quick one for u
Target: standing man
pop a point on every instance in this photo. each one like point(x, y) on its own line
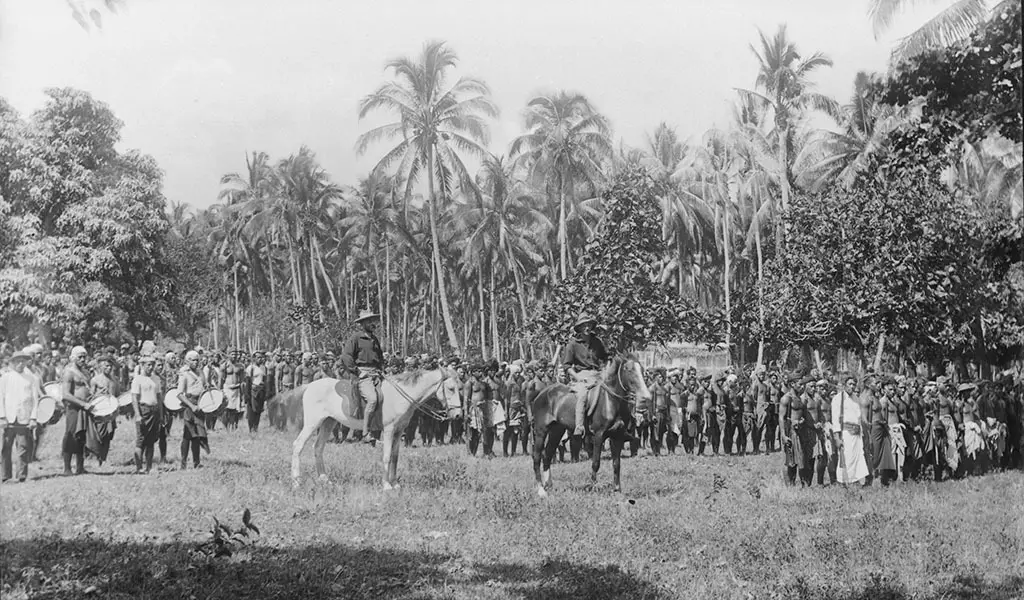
point(584, 355)
point(170, 379)
point(846, 431)
point(147, 400)
point(19, 401)
point(190, 387)
point(234, 372)
point(75, 394)
point(364, 359)
point(256, 377)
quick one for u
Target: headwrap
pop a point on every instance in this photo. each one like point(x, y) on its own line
point(191, 355)
point(78, 351)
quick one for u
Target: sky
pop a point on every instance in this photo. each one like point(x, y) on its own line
point(201, 83)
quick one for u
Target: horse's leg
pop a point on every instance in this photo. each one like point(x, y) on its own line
point(300, 443)
point(393, 465)
point(538, 455)
point(326, 430)
point(389, 456)
point(555, 432)
point(595, 454)
point(617, 441)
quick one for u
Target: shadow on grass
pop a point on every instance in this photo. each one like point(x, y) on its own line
point(57, 568)
point(54, 568)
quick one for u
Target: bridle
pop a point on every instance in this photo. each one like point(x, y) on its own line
point(618, 377)
point(419, 404)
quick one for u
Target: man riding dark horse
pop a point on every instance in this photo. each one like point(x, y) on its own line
point(364, 360)
point(585, 355)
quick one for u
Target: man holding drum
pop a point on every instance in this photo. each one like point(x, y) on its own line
point(145, 391)
point(74, 385)
point(190, 387)
point(170, 377)
point(19, 401)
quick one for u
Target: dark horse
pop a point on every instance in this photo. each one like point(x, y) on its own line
point(554, 413)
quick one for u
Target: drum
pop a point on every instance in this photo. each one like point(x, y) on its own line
point(46, 410)
point(103, 406)
point(171, 401)
point(124, 404)
point(212, 401)
point(52, 389)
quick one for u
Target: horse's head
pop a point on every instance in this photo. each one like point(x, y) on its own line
point(450, 388)
point(629, 375)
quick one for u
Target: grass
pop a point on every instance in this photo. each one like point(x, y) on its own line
point(465, 527)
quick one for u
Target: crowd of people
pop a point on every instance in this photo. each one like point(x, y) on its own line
point(827, 428)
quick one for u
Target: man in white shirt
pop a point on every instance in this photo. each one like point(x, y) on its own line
point(846, 415)
point(19, 401)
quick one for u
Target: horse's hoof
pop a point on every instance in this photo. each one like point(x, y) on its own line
point(323, 478)
point(388, 487)
point(541, 492)
point(617, 489)
point(295, 483)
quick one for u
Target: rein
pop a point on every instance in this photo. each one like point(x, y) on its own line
point(418, 404)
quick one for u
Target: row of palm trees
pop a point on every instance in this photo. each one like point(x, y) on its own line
point(457, 259)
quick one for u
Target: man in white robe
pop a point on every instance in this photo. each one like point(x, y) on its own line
point(846, 430)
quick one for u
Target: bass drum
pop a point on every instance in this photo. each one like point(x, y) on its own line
point(171, 401)
point(47, 413)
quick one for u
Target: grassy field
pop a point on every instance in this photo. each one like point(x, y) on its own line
point(464, 527)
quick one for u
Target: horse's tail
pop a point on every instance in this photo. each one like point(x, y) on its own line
point(288, 405)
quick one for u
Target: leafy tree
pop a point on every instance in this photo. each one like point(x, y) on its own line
point(616, 281)
point(89, 223)
point(899, 254)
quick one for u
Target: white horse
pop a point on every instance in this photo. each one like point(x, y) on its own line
point(400, 396)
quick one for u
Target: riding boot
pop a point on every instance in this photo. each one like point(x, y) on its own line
point(581, 414)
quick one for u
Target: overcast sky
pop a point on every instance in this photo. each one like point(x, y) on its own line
point(198, 83)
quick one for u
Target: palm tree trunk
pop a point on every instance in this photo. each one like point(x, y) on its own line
point(877, 364)
point(387, 291)
point(483, 314)
point(453, 341)
point(521, 294)
point(784, 186)
point(312, 273)
point(563, 238)
point(327, 279)
point(760, 286)
point(725, 249)
point(495, 338)
point(405, 305)
point(270, 273)
point(238, 325)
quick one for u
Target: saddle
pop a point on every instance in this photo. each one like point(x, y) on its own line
point(354, 405)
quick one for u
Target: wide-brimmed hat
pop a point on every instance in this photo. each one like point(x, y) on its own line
point(366, 315)
point(583, 319)
point(21, 355)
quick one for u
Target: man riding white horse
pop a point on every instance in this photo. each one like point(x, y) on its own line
point(585, 355)
point(364, 361)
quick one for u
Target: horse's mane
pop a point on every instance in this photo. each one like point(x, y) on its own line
point(411, 377)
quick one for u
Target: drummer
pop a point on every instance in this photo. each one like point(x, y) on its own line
point(170, 380)
point(148, 418)
point(19, 402)
point(74, 385)
point(190, 386)
point(103, 383)
point(234, 372)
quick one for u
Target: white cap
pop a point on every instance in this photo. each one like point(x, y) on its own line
point(78, 351)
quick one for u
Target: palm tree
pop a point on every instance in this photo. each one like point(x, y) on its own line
point(567, 140)
point(956, 22)
point(435, 124)
point(784, 77)
point(370, 221)
point(506, 227)
point(867, 123)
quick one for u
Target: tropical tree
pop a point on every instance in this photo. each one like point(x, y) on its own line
point(567, 141)
point(784, 77)
point(867, 123)
point(955, 23)
point(436, 124)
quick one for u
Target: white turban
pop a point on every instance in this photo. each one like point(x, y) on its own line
point(78, 351)
point(191, 355)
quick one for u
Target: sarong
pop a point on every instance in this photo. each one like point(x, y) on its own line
point(149, 426)
point(804, 442)
point(789, 448)
point(476, 417)
point(996, 438)
point(881, 447)
point(194, 428)
point(898, 440)
point(233, 399)
point(675, 419)
point(974, 441)
point(951, 447)
point(693, 426)
point(98, 433)
point(852, 466)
